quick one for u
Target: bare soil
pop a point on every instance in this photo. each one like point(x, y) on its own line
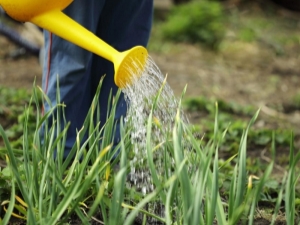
point(248, 73)
point(17, 71)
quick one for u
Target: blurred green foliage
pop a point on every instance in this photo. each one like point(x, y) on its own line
point(233, 118)
point(247, 35)
point(296, 100)
point(13, 109)
point(196, 22)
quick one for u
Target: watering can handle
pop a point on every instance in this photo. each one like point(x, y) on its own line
point(63, 26)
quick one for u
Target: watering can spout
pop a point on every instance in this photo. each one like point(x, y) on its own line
point(128, 65)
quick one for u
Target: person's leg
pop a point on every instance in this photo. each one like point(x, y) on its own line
point(71, 64)
point(123, 24)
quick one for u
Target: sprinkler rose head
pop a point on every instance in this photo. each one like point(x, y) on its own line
point(129, 66)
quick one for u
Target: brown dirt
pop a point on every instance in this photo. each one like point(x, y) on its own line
point(17, 72)
point(248, 73)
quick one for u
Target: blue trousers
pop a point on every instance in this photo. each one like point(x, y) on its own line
point(122, 24)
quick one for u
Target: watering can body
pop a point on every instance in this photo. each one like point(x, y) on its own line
point(25, 10)
point(47, 14)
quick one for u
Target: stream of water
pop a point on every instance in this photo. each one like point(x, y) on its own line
point(140, 97)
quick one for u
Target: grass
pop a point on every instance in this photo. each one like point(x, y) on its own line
point(41, 189)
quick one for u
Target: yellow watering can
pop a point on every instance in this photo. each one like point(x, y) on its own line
point(48, 14)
